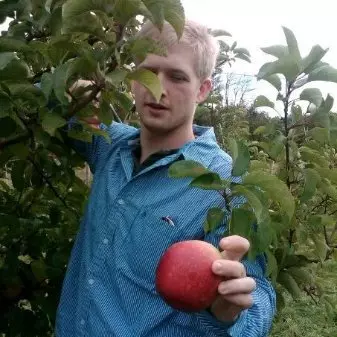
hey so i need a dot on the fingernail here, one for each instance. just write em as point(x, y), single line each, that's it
point(223, 290)
point(217, 266)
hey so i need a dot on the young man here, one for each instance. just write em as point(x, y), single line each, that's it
point(109, 288)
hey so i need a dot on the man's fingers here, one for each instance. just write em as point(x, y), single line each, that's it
point(241, 300)
point(234, 247)
point(229, 269)
point(93, 121)
point(244, 285)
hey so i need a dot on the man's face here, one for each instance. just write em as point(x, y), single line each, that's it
point(182, 90)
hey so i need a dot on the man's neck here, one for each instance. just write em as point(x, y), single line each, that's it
point(151, 143)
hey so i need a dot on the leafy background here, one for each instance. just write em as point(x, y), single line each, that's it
point(291, 185)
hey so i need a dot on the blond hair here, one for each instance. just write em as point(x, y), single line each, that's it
point(195, 35)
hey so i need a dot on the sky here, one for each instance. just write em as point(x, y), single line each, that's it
point(258, 23)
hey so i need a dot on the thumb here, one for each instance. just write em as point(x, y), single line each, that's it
point(234, 247)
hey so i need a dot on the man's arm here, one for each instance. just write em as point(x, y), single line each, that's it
point(254, 321)
point(92, 151)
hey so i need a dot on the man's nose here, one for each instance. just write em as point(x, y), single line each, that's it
point(163, 82)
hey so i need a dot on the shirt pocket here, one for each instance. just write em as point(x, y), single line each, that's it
point(149, 237)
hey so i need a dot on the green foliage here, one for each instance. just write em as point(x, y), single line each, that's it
point(289, 181)
point(288, 166)
point(50, 46)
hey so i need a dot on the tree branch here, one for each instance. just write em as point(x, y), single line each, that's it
point(297, 125)
point(50, 185)
point(13, 139)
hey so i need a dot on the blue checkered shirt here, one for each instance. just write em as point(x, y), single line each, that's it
point(109, 288)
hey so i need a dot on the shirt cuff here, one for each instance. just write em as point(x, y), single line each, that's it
point(210, 322)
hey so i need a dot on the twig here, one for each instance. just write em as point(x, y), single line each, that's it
point(13, 139)
point(50, 185)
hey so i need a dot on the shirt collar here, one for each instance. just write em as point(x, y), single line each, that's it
point(201, 149)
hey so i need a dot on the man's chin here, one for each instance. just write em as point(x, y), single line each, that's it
point(156, 127)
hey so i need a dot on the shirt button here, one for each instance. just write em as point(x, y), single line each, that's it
point(91, 281)
point(105, 241)
point(121, 201)
point(82, 322)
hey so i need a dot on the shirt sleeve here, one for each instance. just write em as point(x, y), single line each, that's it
point(95, 151)
point(257, 320)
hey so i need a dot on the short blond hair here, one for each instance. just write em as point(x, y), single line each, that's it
point(195, 35)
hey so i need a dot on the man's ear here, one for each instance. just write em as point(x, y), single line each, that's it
point(204, 90)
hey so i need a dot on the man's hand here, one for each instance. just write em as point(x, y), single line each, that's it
point(235, 293)
point(92, 121)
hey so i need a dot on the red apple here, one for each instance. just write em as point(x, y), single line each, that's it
point(184, 276)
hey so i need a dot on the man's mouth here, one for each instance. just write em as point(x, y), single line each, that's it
point(156, 106)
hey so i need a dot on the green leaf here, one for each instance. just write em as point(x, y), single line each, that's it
point(311, 179)
point(149, 80)
point(233, 46)
point(51, 122)
point(289, 283)
point(9, 45)
point(73, 8)
point(275, 81)
point(327, 188)
point(215, 217)
point(292, 44)
point(313, 156)
point(60, 78)
point(280, 301)
point(210, 181)
point(15, 70)
point(186, 169)
point(312, 95)
point(325, 73)
point(278, 51)
point(321, 135)
point(275, 188)
point(256, 200)
point(262, 100)
point(286, 66)
point(7, 126)
point(124, 10)
point(296, 113)
point(87, 22)
point(84, 136)
point(301, 275)
point(103, 133)
point(241, 51)
point(311, 61)
point(241, 222)
point(39, 270)
point(116, 77)
point(104, 113)
point(47, 84)
point(20, 150)
point(327, 173)
point(141, 47)
point(272, 267)
point(6, 58)
point(170, 10)
point(241, 157)
point(122, 99)
point(327, 104)
point(17, 174)
point(220, 32)
point(243, 57)
point(320, 247)
point(175, 15)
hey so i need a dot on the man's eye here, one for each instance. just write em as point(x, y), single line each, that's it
point(177, 77)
